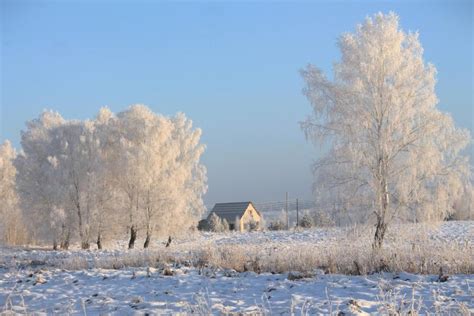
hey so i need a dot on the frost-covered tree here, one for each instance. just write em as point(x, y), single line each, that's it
point(225, 225)
point(76, 153)
point(322, 219)
point(8, 198)
point(158, 169)
point(280, 222)
point(131, 132)
point(391, 151)
point(185, 179)
point(7, 175)
point(106, 219)
point(131, 171)
point(39, 190)
point(464, 205)
point(12, 230)
point(216, 224)
point(63, 178)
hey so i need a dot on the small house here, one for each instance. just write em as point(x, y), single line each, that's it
point(239, 215)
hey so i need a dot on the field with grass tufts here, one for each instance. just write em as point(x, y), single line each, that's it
point(314, 271)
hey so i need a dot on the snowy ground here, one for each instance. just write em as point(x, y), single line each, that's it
point(136, 291)
point(40, 281)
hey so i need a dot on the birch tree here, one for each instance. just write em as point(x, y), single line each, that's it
point(158, 171)
point(38, 187)
point(12, 230)
point(184, 177)
point(8, 199)
point(132, 129)
point(390, 150)
point(76, 150)
point(107, 200)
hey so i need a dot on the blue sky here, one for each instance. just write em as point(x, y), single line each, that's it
point(230, 66)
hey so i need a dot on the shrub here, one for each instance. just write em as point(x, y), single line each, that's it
point(307, 221)
point(322, 219)
point(216, 224)
point(224, 226)
point(252, 225)
point(277, 225)
point(203, 225)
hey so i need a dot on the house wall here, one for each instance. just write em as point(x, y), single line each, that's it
point(250, 214)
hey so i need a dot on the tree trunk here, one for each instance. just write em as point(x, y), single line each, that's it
point(99, 241)
point(65, 242)
point(55, 244)
point(379, 234)
point(147, 240)
point(65, 235)
point(383, 198)
point(133, 237)
point(84, 242)
point(381, 226)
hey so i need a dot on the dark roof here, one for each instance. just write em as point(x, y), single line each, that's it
point(230, 211)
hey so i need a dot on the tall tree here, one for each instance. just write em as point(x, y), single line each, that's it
point(38, 187)
point(158, 170)
point(391, 151)
point(181, 179)
point(76, 151)
point(106, 219)
point(132, 129)
point(12, 230)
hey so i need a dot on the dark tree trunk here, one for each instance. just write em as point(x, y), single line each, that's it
point(55, 244)
point(85, 245)
point(99, 241)
point(133, 237)
point(147, 240)
point(65, 241)
point(379, 234)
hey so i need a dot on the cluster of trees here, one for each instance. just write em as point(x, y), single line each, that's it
point(130, 172)
point(392, 154)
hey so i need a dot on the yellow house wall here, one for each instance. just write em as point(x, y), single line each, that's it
point(250, 213)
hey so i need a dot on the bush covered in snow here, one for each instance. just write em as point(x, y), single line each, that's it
point(276, 225)
point(216, 224)
point(306, 221)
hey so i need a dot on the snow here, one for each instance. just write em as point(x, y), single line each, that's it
point(131, 290)
point(35, 281)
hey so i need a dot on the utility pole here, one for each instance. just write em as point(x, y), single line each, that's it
point(297, 214)
point(287, 217)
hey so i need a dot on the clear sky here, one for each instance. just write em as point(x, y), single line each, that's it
point(230, 66)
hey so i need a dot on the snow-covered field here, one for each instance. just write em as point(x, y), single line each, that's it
point(131, 291)
point(125, 282)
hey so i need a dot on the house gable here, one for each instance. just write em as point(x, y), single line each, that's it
point(250, 214)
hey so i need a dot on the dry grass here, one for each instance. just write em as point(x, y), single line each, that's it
point(406, 249)
point(350, 258)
